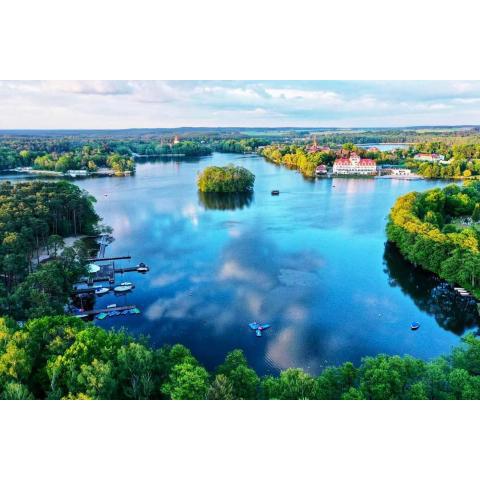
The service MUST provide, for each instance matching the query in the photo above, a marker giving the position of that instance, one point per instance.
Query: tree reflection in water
(225, 201)
(432, 295)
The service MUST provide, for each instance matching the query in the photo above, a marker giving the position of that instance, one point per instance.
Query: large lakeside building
(355, 166)
(429, 157)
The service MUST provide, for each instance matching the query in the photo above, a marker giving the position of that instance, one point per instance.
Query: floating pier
(104, 310)
(107, 259)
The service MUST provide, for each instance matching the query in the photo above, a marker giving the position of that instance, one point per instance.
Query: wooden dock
(127, 269)
(108, 259)
(78, 291)
(105, 310)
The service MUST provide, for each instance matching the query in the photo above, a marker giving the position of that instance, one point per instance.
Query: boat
(264, 327)
(127, 284)
(112, 305)
(122, 288)
(105, 194)
(102, 316)
(414, 326)
(142, 268)
(134, 310)
(275, 192)
(258, 333)
(101, 290)
(253, 325)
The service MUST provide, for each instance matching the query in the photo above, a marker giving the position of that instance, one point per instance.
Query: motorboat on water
(126, 284)
(101, 290)
(142, 268)
(275, 192)
(414, 326)
(123, 288)
(112, 305)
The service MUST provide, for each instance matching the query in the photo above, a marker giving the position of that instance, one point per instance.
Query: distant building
(77, 173)
(396, 172)
(429, 157)
(314, 148)
(354, 166)
(176, 140)
(321, 170)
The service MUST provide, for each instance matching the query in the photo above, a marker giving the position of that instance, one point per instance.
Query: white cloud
(125, 104)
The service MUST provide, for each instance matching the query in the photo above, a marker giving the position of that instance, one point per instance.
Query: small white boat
(112, 305)
(126, 284)
(123, 288)
(101, 290)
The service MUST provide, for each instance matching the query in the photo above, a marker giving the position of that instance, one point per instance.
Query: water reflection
(431, 295)
(225, 201)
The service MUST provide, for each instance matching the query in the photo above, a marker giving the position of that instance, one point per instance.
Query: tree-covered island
(228, 179)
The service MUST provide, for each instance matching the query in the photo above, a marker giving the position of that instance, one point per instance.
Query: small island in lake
(228, 179)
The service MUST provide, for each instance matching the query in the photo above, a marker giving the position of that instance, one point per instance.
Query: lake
(384, 147)
(312, 262)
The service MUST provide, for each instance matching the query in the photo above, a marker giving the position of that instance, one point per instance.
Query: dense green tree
(228, 179)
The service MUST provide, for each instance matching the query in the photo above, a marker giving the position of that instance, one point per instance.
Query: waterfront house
(429, 157)
(354, 166)
(396, 172)
(77, 173)
(321, 170)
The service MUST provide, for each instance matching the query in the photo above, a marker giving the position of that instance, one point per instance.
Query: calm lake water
(384, 147)
(312, 262)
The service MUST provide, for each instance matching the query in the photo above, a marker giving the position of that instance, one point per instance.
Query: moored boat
(142, 268)
(101, 290)
(123, 288)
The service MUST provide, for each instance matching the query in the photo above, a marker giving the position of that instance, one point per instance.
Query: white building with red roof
(354, 166)
(429, 157)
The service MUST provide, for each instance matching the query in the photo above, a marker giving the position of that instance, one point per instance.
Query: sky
(116, 104)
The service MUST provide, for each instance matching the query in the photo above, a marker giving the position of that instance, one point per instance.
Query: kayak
(258, 333)
(253, 325)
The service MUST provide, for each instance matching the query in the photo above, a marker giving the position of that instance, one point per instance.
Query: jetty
(108, 259)
(104, 310)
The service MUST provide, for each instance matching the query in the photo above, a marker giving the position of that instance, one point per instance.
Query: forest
(439, 231)
(78, 153)
(35, 218)
(62, 357)
(228, 179)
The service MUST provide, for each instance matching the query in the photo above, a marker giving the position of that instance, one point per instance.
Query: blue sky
(126, 104)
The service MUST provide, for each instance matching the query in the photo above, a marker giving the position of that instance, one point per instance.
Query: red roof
(362, 162)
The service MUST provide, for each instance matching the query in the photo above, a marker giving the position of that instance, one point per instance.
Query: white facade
(429, 157)
(354, 166)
